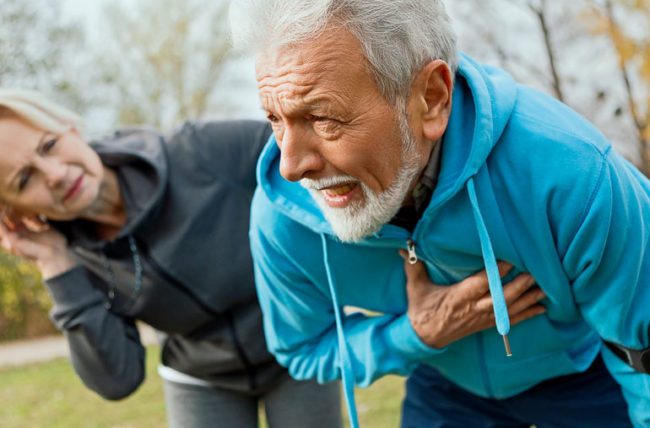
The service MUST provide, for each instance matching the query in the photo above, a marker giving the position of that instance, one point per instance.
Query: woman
(146, 227)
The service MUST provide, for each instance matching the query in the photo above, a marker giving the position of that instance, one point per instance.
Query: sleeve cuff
(407, 341)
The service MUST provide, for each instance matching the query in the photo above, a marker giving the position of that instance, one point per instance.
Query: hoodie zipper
(410, 246)
(412, 259)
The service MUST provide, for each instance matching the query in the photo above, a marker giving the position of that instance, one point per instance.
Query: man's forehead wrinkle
(284, 93)
(297, 74)
(288, 105)
(286, 81)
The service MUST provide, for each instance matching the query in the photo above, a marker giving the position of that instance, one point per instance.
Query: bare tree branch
(540, 13)
(644, 145)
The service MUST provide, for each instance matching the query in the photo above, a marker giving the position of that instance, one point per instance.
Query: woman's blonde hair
(37, 110)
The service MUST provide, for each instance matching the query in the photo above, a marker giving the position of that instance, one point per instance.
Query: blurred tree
(523, 36)
(164, 60)
(627, 24)
(39, 51)
(546, 44)
(24, 302)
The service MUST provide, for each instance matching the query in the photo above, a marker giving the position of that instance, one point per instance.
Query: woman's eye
(272, 118)
(49, 144)
(23, 180)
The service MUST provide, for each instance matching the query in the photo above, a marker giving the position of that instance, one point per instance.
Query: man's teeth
(340, 190)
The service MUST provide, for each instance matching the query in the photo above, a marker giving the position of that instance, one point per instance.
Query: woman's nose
(53, 170)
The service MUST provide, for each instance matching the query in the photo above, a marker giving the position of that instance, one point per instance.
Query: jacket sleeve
(105, 349)
(299, 320)
(608, 261)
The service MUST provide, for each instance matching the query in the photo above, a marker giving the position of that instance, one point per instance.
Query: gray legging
(290, 404)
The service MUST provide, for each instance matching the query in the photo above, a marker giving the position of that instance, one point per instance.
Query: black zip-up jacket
(187, 198)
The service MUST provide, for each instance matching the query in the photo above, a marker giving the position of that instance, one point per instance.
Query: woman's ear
(431, 91)
(15, 219)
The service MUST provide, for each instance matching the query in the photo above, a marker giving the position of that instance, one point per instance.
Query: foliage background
(158, 62)
(120, 62)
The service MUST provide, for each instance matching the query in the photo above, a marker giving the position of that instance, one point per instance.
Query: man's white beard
(367, 215)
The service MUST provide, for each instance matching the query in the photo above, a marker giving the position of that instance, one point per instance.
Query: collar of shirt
(408, 216)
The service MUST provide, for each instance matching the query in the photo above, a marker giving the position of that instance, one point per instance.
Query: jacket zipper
(413, 258)
(410, 246)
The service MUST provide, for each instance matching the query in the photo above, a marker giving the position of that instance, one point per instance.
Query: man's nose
(300, 155)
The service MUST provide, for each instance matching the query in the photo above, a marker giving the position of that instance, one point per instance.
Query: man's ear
(431, 93)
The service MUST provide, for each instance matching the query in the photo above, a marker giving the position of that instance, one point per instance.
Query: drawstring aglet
(506, 342)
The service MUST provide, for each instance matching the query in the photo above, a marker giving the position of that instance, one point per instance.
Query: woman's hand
(443, 314)
(26, 236)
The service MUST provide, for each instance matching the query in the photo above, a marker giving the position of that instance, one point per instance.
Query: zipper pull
(410, 246)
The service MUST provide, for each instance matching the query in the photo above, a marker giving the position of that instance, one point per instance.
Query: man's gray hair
(397, 37)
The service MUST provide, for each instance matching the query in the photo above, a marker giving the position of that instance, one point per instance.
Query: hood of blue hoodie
(467, 143)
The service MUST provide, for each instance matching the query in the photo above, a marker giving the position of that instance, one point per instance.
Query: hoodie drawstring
(345, 360)
(494, 279)
(496, 291)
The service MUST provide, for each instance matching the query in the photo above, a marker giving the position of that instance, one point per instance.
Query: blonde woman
(141, 226)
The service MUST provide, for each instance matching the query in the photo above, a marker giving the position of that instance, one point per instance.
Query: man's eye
(49, 144)
(316, 118)
(272, 118)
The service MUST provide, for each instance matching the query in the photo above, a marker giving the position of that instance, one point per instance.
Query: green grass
(379, 405)
(51, 395)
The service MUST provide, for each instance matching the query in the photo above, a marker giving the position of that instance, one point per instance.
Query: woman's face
(57, 175)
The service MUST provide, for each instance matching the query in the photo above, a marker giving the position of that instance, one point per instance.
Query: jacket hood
(467, 143)
(139, 158)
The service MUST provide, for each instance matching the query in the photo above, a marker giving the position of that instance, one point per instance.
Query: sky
(238, 79)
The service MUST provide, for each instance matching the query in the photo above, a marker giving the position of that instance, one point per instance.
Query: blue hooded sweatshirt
(523, 179)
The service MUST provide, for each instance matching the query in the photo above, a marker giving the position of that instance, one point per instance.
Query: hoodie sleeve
(608, 261)
(105, 349)
(299, 321)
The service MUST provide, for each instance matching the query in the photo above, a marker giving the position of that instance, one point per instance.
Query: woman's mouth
(74, 189)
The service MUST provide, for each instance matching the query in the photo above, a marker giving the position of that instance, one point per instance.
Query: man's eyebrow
(15, 176)
(299, 107)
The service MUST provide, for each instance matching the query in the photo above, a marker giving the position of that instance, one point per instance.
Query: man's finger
(504, 268)
(518, 286)
(528, 313)
(527, 300)
(477, 285)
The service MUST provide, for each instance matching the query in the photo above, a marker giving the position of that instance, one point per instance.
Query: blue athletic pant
(591, 399)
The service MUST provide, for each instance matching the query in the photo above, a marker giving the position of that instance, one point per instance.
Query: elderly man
(386, 139)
